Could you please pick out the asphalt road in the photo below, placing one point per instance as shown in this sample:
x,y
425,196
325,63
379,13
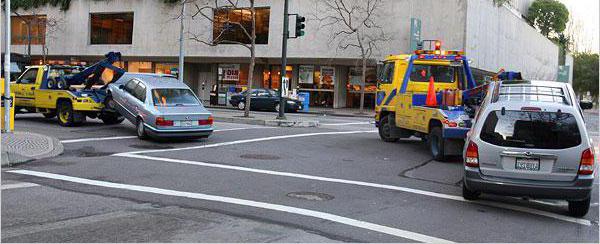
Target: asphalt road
x,y
248,183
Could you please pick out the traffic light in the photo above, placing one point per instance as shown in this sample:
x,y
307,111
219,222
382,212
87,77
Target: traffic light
x,y
300,25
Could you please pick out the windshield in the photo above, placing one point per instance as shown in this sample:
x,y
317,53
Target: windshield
x,y
440,73
543,130
174,97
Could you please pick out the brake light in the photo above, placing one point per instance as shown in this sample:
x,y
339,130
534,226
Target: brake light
x,y
472,155
586,166
160,121
208,121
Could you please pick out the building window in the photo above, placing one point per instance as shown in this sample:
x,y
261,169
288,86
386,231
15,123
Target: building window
x,y
226,29
27,28
114,28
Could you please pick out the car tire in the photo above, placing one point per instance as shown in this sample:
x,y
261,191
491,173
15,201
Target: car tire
x,y
241,106
436,144
579,208
66,116
277,107
468,194
49,115
112,118
385,130
141,129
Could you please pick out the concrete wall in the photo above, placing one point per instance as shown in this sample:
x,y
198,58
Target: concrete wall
x,y
496,38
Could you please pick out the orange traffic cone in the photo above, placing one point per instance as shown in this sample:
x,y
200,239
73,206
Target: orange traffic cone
x,y
431,100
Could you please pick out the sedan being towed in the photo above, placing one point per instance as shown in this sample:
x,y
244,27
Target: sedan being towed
x,y
264,99
160,106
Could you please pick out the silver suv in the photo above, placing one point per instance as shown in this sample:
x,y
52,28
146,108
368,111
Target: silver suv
x,y
529,139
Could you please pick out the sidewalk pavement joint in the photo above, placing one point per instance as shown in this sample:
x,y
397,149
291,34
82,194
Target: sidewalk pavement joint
x,y
20,147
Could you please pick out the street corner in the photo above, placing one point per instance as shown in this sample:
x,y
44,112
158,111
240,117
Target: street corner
x,y
20,147
292,123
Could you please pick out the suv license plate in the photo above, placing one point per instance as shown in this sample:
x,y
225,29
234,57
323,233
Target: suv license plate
x,y
529,164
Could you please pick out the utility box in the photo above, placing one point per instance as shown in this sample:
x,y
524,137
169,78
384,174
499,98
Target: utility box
x,y
12,108
304,97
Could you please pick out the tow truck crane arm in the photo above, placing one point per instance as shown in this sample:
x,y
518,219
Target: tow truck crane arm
x,y
91,75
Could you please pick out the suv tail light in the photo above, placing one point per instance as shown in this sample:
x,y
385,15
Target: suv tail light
x,y
586,166
208,121
160,121
472,155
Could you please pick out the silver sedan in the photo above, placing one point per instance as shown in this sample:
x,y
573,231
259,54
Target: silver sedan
x,y
160,106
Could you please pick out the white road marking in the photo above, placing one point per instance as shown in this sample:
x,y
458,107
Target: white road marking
x,y
367,184
17,185
243,202
131,137
349,123
249,141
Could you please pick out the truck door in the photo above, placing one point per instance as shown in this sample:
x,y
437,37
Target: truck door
x,y
385,89
404,106
25,88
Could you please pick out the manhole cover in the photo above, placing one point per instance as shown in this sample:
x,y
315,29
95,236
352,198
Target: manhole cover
x,y
150,146
260,156
311,196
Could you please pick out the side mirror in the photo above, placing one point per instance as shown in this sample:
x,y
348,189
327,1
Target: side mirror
x,y
121,87
586,105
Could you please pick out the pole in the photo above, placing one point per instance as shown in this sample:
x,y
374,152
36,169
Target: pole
x,y
181,52
6,98
286,35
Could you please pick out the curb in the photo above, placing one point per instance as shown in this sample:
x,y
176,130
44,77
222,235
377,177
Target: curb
x,y
10,158
262,122
324,113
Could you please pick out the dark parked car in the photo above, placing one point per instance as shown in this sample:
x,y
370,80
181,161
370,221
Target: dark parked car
x,y
264,99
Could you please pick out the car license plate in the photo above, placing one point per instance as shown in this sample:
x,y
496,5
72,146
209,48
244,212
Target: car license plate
x,y
529,164
186,123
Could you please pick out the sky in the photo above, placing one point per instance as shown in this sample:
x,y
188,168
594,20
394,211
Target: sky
x,y
584,23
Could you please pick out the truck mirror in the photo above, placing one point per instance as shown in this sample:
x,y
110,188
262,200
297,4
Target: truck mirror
x,y
586,104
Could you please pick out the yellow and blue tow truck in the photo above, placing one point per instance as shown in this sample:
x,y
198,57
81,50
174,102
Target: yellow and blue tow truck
x,y
407,86
69,92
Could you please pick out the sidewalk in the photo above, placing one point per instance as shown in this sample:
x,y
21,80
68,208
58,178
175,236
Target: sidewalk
x,y
264,119
341,112
20,147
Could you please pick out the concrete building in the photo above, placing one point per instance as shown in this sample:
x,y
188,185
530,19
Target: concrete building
x,y
146,32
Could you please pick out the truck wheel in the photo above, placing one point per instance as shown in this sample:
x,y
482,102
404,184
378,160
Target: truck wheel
x,y
49,115
436,144
66,116
579,208
112,118
140,129
468,194
385,130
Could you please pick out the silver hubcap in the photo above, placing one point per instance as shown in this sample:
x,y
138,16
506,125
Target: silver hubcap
x,y
242,105
277,107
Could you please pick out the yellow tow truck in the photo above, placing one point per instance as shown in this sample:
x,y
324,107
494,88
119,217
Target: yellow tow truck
x,y
424,95
69,92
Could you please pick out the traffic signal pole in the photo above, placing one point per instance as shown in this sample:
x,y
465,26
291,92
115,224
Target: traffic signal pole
x,y
286,35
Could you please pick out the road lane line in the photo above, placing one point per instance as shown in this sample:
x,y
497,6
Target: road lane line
x,y
367,184
350,123
243,202
250,140
131,137
17,185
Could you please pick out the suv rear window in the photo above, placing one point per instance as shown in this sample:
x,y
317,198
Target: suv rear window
x,y
542,130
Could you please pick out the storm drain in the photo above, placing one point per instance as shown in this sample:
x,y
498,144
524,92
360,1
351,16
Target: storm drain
x,y
260,156
310,196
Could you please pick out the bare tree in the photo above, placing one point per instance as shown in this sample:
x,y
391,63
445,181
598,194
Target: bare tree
x,y
46,28
353,24
208,9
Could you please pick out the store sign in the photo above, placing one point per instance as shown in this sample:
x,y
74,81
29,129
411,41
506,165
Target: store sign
x,y
327,75
306,74
230,72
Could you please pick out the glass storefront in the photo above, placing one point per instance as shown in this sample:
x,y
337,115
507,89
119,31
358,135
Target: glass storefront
x,y
165,68
353,87
272,77
139,67
319,81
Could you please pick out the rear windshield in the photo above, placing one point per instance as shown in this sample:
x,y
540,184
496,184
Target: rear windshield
x,y
543,130
440,73
174,97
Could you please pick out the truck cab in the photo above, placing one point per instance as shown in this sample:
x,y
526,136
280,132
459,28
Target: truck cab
x,y
409,83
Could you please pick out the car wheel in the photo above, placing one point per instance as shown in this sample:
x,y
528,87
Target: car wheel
x,y
579,208
140,129
277,107
112,118
436,144
49,115
468,194
385,130
241,105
